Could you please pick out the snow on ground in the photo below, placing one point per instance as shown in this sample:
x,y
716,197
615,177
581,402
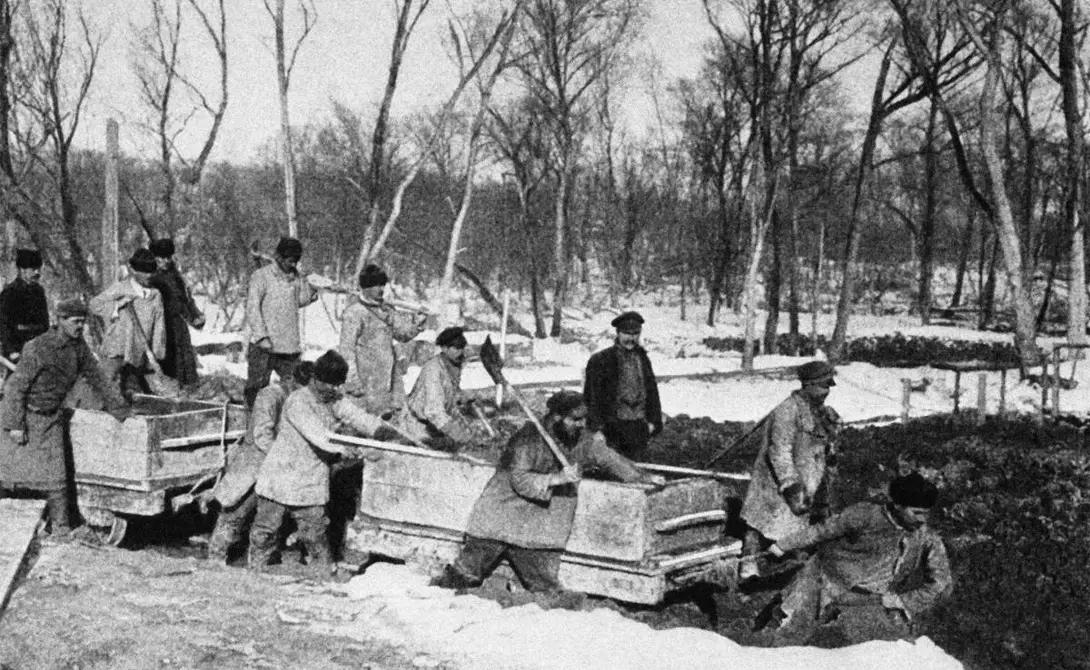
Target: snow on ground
x,y
395,604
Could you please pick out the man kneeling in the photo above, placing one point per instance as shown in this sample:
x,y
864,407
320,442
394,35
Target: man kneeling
x,y
525,512
881,563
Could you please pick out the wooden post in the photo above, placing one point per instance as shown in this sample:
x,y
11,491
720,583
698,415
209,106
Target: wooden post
x,y
906,398
1056,382
108,256
1002,391
503,339
957,390
1044,385
981,397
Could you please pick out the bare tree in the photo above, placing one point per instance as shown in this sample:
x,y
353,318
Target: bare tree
x,y
285,63
165,87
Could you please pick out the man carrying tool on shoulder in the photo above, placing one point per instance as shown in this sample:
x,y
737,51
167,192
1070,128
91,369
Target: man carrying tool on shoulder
x,y
432,411
135,326
790,474
294,477
526,510
235,491
32,456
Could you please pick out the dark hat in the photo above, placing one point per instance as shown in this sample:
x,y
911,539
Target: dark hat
x,y
373,275
162,248
331,368
454,336
816,372
628,321
28,258
142,260
564,402
289,247
912,490
302,372
70,307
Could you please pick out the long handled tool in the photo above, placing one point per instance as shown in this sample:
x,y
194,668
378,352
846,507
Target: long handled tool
x,y
493,365
730,447
161,384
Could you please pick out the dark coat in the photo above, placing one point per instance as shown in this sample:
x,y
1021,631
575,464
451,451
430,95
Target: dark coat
x,y
24,315
600,390
181,312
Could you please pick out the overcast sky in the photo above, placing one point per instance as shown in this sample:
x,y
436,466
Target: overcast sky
x,y
345,59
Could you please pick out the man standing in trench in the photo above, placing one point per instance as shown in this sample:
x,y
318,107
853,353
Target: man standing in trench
x,y
33,457
622,394
791,472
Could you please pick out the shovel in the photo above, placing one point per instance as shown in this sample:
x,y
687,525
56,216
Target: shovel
x,y
161,385
493,365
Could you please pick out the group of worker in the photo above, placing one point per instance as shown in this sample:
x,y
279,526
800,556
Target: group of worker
x,y
874,558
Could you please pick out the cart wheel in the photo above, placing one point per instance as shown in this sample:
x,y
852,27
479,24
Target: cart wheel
x,y
109,526
117,531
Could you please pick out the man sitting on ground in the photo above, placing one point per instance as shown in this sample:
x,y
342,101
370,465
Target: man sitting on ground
x,y
876,564
526,510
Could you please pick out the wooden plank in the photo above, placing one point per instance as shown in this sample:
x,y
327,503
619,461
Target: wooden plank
x,y
19,521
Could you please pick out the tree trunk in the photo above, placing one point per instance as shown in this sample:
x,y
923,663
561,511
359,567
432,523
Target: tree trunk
x,y
560,247
288,156
1069,82
926,239
773,285
963,261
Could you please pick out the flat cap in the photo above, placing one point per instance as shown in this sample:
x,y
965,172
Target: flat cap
x,y
69,308
816,372
28,259
912,490
289,247
454,336
142,260
628,321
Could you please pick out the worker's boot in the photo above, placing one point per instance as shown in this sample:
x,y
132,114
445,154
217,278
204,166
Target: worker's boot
x,y
452,578
747,567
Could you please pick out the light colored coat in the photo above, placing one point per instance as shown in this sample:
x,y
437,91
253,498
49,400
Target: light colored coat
x,y
432,405
296,469
272,307
369,336
123,338
797,442
244,464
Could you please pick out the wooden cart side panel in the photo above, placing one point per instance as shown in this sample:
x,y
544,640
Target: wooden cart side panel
x,y
610,521
686,496
435,492
101,445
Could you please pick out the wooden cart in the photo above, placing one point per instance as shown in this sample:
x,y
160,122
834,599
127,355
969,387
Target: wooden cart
x,y
631,542
153,462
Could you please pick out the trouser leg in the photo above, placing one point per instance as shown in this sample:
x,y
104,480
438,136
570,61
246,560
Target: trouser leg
x,y
257,371
478,558
57,505
231,526
537,568
111,369
312,530
801,602
265,532
628,438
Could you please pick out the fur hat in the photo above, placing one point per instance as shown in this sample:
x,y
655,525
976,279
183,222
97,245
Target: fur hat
x,y
289,247
564,402
628,322
162,248
912,490
70,307
816,372
302,372
28,259
331,368
142,260
452,337
373,275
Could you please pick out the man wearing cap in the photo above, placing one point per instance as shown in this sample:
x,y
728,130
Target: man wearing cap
x,y
526,510
277,292
370,332
24,312
135,324
431,412
294,477
32,456
789,477
621,391
877,567
181,312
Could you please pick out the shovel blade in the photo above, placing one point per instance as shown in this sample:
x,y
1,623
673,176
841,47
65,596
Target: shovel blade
x,y
490,359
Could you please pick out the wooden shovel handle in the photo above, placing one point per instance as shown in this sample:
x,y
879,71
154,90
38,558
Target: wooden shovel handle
x,y
553,447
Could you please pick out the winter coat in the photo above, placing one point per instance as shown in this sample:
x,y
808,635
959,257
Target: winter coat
x,y
125,338
369,336
600,390
862,549
180,361
519,507
296,469
24,315
432,407
272,307
243,465
795,449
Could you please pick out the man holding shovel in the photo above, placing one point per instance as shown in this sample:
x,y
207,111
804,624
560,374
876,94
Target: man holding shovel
x,y
431,412
526,510
135,337
32,454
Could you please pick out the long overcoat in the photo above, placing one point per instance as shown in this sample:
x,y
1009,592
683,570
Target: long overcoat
x,y
24,315
796,447
181,312
370,337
